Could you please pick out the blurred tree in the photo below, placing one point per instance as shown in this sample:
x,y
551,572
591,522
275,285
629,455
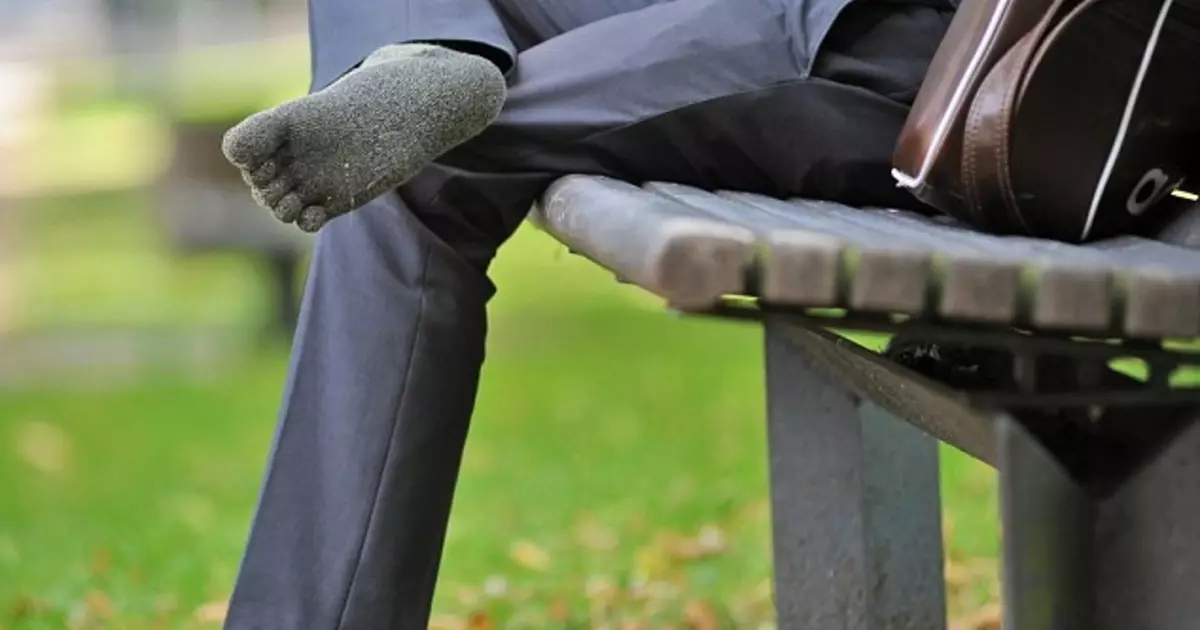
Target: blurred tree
x,y
141,36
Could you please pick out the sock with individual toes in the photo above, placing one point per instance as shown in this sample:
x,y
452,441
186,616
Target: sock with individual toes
x,y
317,157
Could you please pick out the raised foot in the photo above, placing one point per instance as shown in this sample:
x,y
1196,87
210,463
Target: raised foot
x,y
318,157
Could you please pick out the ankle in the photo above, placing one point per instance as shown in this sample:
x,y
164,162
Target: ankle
x,y
393,52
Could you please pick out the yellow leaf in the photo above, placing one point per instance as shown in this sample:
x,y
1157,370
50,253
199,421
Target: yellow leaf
x,y
560,611
601,588
650,563
24,606
212,612
43,446
529,556
987,619
710,541
592,535
480,620
495,586
101,562
99,605
466,596
165,605
445,622
700,616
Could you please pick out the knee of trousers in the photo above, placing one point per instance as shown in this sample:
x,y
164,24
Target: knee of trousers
x,y
387,243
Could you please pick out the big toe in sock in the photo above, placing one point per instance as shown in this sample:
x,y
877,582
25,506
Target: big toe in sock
x,y
322,155
255,140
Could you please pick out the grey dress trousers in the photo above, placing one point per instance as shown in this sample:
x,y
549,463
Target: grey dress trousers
x,y
782,97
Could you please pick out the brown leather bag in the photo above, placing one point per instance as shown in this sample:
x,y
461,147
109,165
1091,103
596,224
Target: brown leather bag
x,y
1066,119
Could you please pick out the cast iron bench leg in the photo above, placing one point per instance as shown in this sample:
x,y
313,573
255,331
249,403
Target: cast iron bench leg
x,y
855,501
1130,559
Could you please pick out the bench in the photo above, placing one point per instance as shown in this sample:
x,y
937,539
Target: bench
x,y
1003,347
204,208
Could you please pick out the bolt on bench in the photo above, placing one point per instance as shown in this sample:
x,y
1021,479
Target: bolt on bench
x,y
1099,471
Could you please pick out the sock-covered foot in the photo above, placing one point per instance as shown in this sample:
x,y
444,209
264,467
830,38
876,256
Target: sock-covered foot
x,y
322,155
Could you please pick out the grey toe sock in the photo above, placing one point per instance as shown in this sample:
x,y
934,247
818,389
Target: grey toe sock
x,y
322,155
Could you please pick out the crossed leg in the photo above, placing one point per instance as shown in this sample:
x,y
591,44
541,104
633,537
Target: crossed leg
x,y
716,93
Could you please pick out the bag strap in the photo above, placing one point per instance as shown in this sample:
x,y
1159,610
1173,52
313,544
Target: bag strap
x,y
987,139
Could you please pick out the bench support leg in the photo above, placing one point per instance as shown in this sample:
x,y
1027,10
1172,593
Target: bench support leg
x,y
856,510
284,267
1077,561
1047,520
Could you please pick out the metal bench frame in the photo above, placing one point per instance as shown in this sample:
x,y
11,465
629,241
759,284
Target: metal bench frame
x,y
1101,530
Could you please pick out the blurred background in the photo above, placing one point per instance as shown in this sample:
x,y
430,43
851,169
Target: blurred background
x,y
615,476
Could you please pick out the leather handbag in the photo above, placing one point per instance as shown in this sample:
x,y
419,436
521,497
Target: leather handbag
x,y
1064,119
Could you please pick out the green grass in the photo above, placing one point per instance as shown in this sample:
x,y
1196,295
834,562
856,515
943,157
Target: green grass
x,y
615,475
615,468
102,260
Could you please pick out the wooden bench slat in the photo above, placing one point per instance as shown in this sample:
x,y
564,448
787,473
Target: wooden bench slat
x,y
967,284
1162,289
1066,297
797,267
1162,306
648,239
818,253
1161,299
881,274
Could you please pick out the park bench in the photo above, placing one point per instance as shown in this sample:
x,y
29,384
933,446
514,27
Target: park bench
x,y
205,208
1002,347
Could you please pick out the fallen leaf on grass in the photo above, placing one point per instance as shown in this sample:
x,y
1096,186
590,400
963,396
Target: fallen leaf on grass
x,y
529,556
90,614
651,563
43,446
480,621
165,605
947,528
987,619
194,511
751,513
560,611
700,616
967,580
603,596
660,561
212,612
101,562
655,592
753,604
710,541
495,586
590,534
446,622
98,605
24,606
467,596
601,588
962,573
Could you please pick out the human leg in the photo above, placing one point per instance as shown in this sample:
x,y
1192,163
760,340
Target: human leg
x,y
343,33
719,99
319,156
353,511
350,521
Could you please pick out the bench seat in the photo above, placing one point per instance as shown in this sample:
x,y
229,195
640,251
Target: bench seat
x,y
692,247
1097,467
